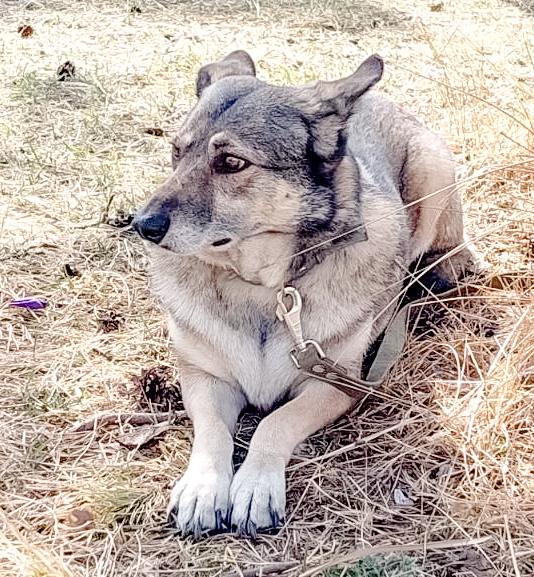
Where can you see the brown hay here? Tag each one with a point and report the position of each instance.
(448, 482)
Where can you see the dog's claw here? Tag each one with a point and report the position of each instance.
(246, 529)
(251, 529)
(197, 530)
(257, 497)
(198, 503)
(172, 520)
(220, 519)
(276, 520)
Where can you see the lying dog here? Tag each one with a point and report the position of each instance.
(328, 187)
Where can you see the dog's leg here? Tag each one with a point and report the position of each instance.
(429, 182)
(199, 500)
(258, 492)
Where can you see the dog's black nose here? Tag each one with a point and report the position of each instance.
(152, 227)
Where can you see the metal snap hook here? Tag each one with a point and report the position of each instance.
(291, 316)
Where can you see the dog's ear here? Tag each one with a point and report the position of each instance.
(329, 104)
(338, 96)
(341, 94)
(238, 63)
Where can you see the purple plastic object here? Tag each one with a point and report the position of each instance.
(29, 303)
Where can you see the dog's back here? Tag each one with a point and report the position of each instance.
(402, 153)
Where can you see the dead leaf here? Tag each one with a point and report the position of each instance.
(25, 30)
(78, 518)
(143, 435)
(110, 321)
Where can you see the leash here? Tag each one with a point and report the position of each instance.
(309, 357)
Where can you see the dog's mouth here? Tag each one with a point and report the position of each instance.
(261, 258)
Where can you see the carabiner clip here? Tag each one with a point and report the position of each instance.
(291, 316)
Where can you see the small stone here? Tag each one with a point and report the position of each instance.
(122, 219)
(401, 499)
(154, 131)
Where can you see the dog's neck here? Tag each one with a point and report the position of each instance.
(344, 228)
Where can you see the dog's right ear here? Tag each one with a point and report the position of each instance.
(238, 63)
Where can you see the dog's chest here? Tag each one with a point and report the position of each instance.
(235, 336)
(245, 344)
(228, 328)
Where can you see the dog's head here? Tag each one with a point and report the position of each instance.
(259, 171)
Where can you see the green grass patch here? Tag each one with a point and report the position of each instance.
(381, 566)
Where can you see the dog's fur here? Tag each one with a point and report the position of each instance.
(332, 166)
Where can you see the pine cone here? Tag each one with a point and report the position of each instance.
(158, 389)
(67, 71)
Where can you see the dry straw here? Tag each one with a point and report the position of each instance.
(442, 488)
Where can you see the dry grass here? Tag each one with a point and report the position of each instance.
(72, 153)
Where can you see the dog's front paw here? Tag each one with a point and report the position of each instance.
(199, 500)
(258, 495)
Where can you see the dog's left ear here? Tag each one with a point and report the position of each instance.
(238, 63)
(338, 96)
(342, 94)
(329, 104)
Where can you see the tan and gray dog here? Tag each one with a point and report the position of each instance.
(327, 187)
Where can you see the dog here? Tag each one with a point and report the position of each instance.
(328, 187)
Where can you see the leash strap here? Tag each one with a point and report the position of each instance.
(309, 357)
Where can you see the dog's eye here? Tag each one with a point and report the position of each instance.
(228, 163)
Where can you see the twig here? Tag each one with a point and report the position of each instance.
(261, 570)
(86, 224)
(142, 435)
(358, 554)
(136, 419)
(511, 546)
